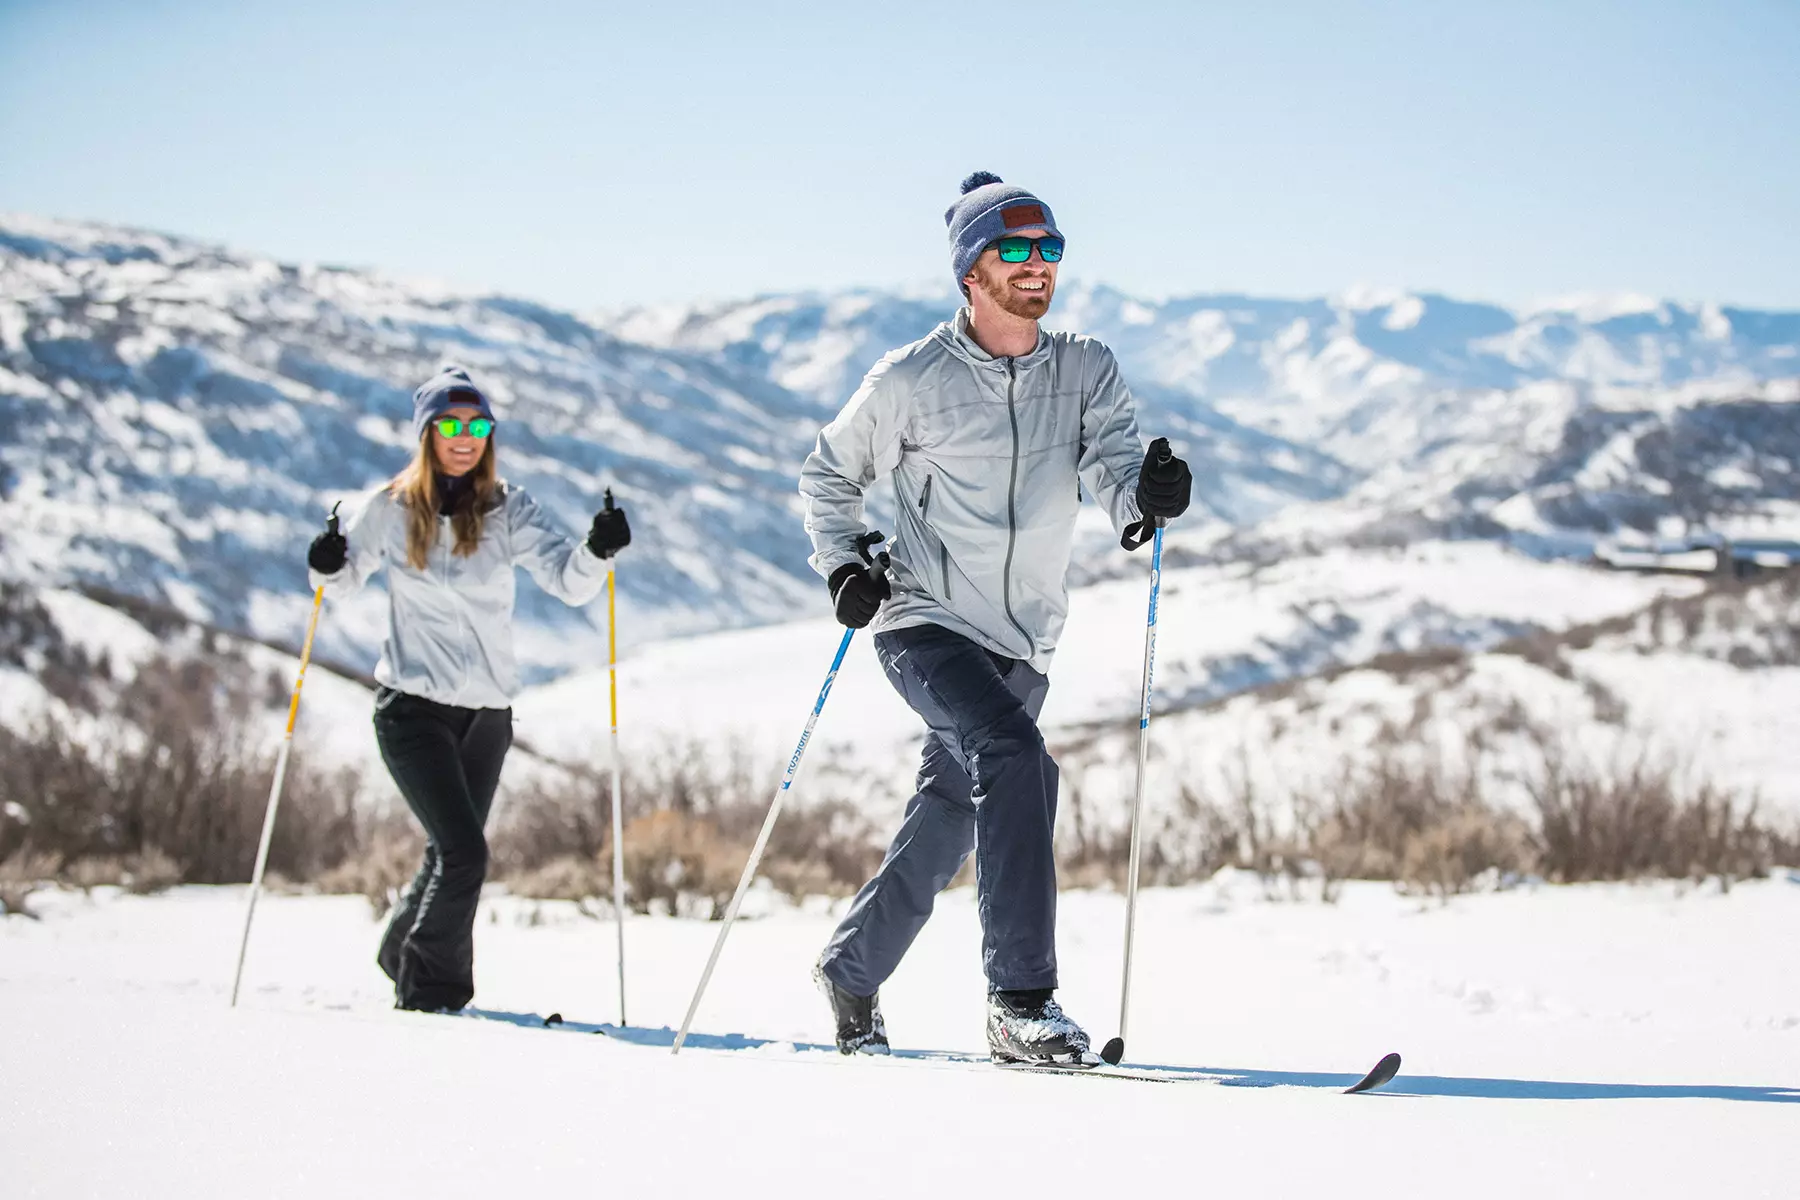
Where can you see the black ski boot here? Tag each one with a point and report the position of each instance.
(1031, 1029)
(859, 1027)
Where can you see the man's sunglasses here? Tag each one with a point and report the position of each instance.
(450, 427)
(1018, 249)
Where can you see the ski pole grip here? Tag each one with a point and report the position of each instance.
(331, 522)
(1162, 455)
(609, 500)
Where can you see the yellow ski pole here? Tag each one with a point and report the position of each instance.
(618, 820)
(281, 762)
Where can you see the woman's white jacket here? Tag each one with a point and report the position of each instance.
(449, 634)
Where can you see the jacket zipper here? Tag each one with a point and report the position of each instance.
(447, 535)
(1012, 515)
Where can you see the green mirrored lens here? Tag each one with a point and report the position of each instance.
(449, 427)
(1013, 249)
(1050, 249)
(480, 427)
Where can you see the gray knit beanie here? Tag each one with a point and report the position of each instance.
(990, 209)
(450, 388)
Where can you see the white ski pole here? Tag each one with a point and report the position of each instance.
(281, 762)
(787, 781)
(618, 821)
(1114, 1051)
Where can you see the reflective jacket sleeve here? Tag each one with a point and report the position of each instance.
(855, 450)
(366, 531)
(561, 565)
(1111, 451)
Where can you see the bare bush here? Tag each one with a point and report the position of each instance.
(691, 813)
(178, 772)
(672, 857)
(390, 852)
(1641, 818)
(20, 876)
(570, 877)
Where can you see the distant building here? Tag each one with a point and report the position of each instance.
(1701, 554)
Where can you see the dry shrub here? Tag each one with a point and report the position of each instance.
(692, 811)
(1462, 850)
(1642, 818)
(672, 857)
(180, 771)
(390, 855)
(20, 876)
(570, 877)
(1409, 817)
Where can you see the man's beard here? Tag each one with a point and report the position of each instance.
(1030, 305)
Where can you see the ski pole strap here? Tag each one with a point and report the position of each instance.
(1140, 532)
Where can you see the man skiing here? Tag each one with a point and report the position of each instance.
(990, 428)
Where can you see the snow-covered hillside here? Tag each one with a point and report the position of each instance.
(1383, 414)
(1222, 631)
(1702, 690)
(178, 416)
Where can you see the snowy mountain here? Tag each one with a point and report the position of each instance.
(177, 419)
(1391, 414)
(178, 416)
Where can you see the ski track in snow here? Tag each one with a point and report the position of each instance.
(1639, 1041)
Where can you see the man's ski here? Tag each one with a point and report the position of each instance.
(1381, 1074)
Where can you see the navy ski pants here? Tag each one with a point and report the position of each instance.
(986, 784)
(446, 762)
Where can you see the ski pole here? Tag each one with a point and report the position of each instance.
(1114, 1050)
(281, 762)
(787, 781)
(618, 821)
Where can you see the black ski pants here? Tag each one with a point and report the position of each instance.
(446, 762)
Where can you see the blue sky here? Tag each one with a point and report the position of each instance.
(599, 154)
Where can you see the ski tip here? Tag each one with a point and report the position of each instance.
(1383, 1072)
(552, 1020)
(1113, 1052)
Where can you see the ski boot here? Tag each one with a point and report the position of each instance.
(859, 1026)
(1030, 1029)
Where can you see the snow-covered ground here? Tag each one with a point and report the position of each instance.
(1623, 1041)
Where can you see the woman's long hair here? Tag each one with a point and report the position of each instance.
(416, 489)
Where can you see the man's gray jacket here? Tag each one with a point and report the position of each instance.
(988, 455)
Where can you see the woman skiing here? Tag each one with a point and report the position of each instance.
(450, 532)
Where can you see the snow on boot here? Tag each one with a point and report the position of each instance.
(859, 1026)
(1031, 1027)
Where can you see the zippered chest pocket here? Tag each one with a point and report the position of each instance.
(943, 554)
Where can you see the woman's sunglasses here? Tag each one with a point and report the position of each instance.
(1018, 249)
(450, 427)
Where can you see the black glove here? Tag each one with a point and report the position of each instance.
(329, 550)
(611, 532)
(1164, 483)
(856, 594)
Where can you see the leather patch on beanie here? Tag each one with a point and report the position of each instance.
(1021, 216)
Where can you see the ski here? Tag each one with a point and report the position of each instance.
(1381, 1074)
